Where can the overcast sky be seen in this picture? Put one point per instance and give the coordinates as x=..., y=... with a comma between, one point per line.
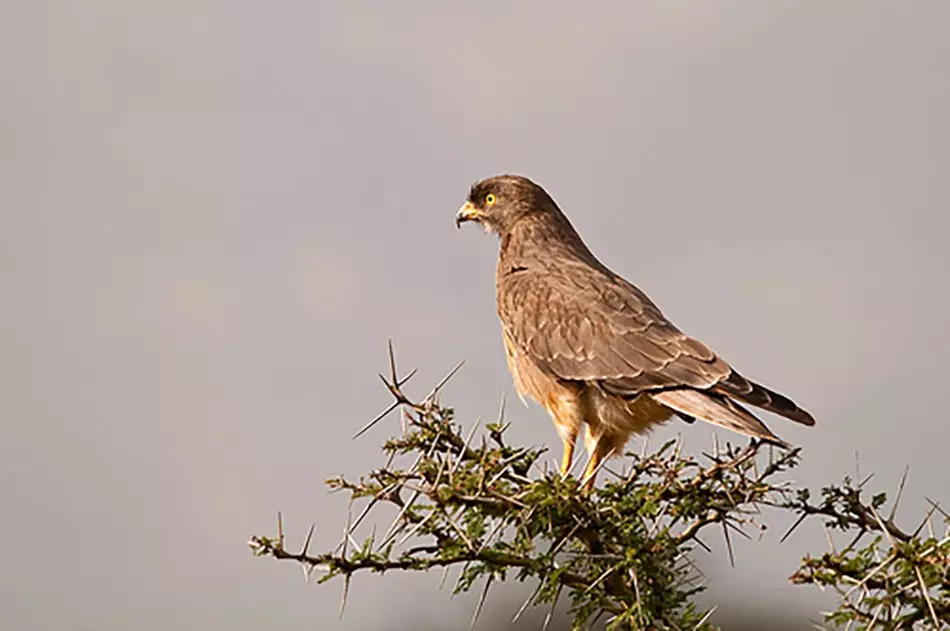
x=216, y=213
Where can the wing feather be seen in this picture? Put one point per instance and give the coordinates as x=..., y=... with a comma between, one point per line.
x=604, y=330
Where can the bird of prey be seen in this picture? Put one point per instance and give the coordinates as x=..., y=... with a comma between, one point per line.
x=590, y=347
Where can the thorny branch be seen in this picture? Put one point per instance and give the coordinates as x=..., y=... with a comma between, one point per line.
x=623, y=550
x=899, y=580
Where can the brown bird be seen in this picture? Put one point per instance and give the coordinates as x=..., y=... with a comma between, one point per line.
x=592, y=348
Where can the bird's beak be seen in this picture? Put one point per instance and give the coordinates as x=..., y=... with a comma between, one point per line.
x=467, y=212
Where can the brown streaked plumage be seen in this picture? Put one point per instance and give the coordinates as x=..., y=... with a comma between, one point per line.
x=592, y=348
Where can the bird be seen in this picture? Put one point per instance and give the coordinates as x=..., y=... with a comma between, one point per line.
x=589, y=346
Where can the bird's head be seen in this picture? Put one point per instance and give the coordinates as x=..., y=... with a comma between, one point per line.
x=501, y=201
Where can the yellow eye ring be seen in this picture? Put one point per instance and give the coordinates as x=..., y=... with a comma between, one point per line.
x=490, y=200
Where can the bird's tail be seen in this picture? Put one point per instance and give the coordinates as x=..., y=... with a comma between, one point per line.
x=716, y=409
x=738, y=387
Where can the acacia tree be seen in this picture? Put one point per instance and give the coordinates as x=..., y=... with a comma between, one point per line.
x=623, y=551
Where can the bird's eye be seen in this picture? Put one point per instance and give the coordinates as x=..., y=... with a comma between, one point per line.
x=489, y=200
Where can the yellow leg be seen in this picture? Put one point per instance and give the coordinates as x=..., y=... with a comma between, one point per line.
x=589, y=476
x=568, y=456
x=602, y=450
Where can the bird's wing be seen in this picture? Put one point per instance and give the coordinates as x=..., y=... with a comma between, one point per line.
x=583, y=324
x=587, y=324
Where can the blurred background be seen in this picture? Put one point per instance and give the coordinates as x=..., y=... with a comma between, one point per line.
x=216, y=213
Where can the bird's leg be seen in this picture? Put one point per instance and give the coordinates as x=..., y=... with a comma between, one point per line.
x=589, y=476
x=603, y=449
x=568, y=457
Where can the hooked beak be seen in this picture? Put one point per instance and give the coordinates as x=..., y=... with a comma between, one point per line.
x=467, y=212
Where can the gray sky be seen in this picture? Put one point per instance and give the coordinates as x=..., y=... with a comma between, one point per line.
x=216, y=213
